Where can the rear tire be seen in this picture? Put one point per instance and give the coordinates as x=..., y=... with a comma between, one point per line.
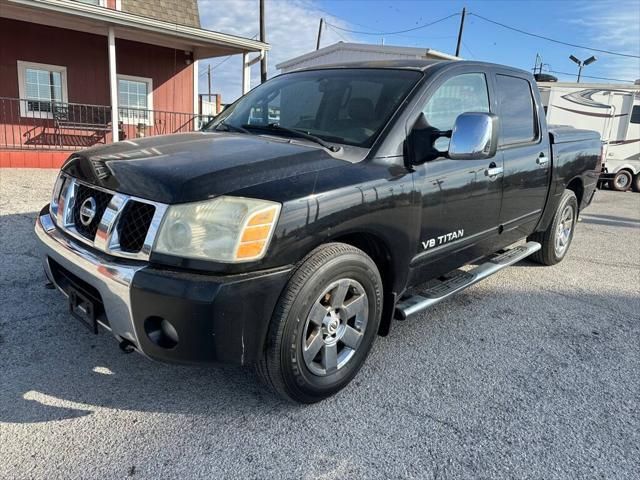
x=324, y=324
x=556, y=239
x=621, y=181
x=636, y=183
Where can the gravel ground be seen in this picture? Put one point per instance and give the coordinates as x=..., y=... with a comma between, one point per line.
x=533, y=373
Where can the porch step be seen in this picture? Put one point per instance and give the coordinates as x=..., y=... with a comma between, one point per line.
x=457, y=280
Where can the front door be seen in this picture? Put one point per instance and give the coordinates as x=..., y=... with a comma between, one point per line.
x=526, y=156
x=460, y=200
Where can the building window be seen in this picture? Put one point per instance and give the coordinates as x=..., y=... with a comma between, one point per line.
x=40, y=87
x=135, y=99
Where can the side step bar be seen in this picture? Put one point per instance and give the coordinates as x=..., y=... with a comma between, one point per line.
x=453, y=282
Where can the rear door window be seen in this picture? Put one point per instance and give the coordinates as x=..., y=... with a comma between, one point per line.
x=518, y=123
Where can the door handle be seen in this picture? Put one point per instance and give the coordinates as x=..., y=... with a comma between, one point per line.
x=493, y=171
x=542, y=160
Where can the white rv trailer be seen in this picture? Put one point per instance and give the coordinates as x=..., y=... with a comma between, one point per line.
x=611, y=109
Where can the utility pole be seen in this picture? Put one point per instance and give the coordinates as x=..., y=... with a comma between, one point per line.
x=319, y=34
x=464, y=12
x=263, y=38
x=209, y=82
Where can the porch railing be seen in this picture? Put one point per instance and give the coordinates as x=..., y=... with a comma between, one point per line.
x=44, y=125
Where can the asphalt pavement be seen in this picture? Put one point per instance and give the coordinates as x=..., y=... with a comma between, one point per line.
x=533, y=373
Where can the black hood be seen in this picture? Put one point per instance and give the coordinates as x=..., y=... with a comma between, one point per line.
x=195, y=166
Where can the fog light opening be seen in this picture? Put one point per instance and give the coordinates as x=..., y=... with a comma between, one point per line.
x=161, y=332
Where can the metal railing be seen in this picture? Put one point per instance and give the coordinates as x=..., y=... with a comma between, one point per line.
x=44, y=125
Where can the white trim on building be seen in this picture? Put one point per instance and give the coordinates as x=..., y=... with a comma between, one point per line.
x=343, y=51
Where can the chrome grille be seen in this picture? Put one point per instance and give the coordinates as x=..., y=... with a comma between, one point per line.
x=122, y=226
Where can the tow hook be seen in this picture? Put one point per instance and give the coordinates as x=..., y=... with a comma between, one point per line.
x=126, y=346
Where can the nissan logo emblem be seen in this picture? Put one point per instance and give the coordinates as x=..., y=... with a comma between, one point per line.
x=87, y=211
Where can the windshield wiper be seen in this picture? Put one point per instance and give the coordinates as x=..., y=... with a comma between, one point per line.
x=230, y=128
x=274, y=127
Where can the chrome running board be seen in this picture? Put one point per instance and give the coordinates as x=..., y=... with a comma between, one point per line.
x=457, y=280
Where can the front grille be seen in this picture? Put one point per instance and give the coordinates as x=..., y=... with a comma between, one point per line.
x=102, y=200
x=134, y=225
x=127, y=221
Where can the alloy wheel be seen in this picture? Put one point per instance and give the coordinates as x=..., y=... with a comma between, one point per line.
x=335, y=326
x=564, y=230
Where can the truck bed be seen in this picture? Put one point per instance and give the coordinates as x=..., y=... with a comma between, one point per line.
x=566, y=134
x=576, y=156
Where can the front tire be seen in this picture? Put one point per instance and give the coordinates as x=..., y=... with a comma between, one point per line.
x=621, y=181
x=556, y=239
x=324, y=324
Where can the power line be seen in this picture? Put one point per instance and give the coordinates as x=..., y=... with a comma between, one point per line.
x=468, y=49
x=213, y=67
x=589, y=76
x=336, y=31
x=394, y=33
x=553, y=39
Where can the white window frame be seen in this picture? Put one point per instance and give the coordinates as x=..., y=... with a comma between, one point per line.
x=131, y=121
x=22, y=86
x=102, y=3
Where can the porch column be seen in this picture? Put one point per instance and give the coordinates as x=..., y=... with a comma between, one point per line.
x=246, y=73
x=113, y=84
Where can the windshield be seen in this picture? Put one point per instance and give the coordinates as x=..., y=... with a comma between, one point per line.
x=348, y=106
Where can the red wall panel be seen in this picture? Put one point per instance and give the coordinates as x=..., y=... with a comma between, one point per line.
x=86, y=59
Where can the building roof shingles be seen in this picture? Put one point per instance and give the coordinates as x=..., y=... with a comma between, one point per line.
x=182, y=12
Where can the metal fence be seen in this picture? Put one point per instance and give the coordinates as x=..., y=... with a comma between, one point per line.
x=45, y=125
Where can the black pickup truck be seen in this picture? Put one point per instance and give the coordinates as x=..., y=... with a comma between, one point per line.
x=288, y=233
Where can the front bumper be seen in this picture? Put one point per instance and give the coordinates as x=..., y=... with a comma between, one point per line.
x=216, y=318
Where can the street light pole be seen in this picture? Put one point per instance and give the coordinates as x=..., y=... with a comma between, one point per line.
x=582, y=63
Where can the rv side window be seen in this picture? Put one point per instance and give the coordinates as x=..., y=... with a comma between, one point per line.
x=635, y=114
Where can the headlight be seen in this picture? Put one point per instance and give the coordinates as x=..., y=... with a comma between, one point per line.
x=224, y=229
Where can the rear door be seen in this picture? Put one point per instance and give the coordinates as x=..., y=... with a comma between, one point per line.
x=524, y=149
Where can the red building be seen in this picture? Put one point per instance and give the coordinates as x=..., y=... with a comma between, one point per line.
x=74, y=73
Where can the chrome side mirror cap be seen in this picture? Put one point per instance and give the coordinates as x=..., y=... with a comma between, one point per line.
x=474, y=136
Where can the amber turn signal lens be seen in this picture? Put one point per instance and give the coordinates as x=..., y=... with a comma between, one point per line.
x=262, y=218
x=255, y=233
x=250, y=250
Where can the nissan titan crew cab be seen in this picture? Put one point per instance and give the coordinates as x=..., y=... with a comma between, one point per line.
x=287, y=234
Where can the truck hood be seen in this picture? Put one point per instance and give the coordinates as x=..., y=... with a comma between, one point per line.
x=195, y=166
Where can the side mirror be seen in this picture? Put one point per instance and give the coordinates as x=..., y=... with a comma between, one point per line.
x=474, y=136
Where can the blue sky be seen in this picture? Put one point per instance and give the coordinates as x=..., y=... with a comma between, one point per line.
x=292, y=27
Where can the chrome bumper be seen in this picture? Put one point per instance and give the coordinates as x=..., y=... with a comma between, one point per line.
x=112, y=280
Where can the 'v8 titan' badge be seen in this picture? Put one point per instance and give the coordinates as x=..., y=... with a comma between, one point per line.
x=442, y=239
